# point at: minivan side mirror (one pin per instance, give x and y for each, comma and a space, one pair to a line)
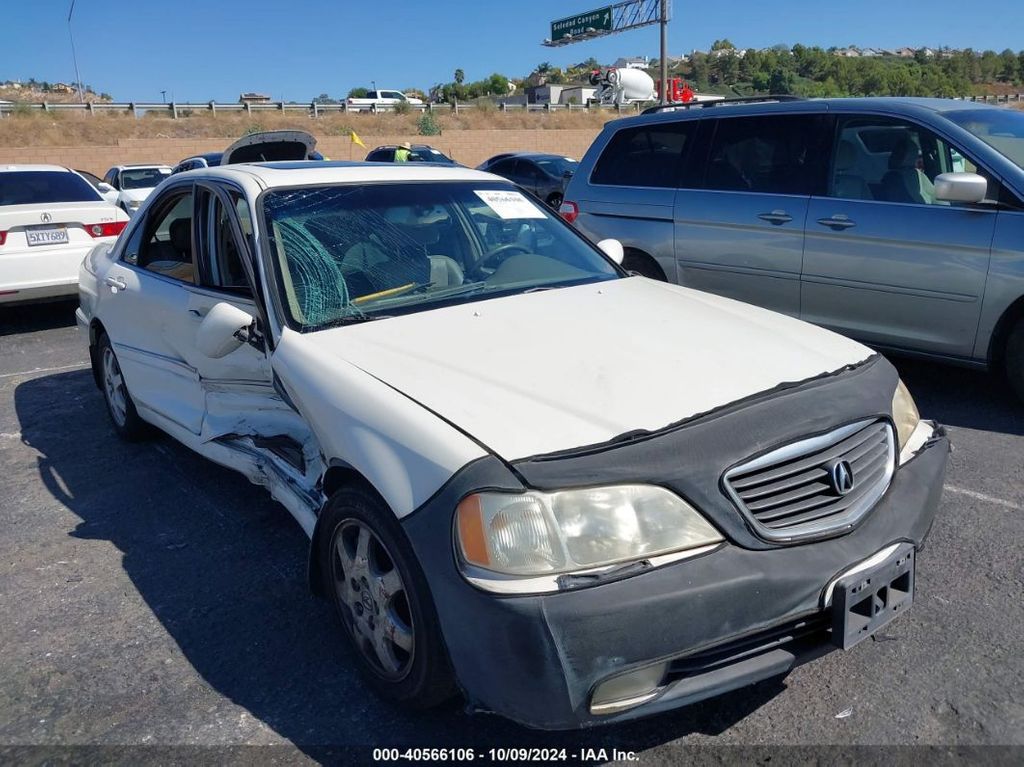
613, 249
960, 187
104, 187
224, 329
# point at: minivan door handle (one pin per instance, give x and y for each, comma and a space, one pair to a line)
776, 217
837, 222
117, 283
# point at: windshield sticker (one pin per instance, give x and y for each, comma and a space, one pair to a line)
510, 205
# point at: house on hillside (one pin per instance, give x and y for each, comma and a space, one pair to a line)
253, 98
62, 88
852, 52
905, 53
632, 62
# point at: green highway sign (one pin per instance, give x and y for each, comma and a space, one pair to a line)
574, 26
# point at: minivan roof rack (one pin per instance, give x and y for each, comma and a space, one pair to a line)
720, 102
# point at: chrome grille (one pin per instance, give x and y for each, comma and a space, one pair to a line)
791, 493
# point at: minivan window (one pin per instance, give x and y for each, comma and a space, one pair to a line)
770, 155
647, 155
889, 160
1001, 129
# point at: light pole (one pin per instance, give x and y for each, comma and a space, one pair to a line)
374, 84
163, 96
74, 57
664, 51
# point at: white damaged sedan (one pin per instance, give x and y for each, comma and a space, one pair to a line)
571, 494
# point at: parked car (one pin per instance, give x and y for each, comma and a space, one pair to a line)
107, 192
381, 98
575, 495
50, 217
418, 153
258, 147
133, 183
899, 222
208, 160
544, 175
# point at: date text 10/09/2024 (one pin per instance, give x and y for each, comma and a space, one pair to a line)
502, 755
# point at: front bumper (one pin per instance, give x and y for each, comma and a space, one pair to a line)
724, 620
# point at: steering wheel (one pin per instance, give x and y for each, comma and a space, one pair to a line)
499, 254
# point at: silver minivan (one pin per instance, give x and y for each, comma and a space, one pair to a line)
897, 221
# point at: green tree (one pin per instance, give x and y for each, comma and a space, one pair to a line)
1010, 66
781, 82
358, 93
723, 45
460, 76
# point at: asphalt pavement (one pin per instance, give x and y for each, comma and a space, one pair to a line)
148, 596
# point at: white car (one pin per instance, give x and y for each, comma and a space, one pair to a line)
133, 183
575, 495
50, 218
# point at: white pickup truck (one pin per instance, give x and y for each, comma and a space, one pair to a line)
381, 99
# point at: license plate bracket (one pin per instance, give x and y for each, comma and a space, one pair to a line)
864, 602
46, 235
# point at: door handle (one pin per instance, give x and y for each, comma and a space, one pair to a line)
117, 283
837, 222
776, 217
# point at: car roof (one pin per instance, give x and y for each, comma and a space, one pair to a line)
314, 172
395, 146
899, 105
33, 168
136, 166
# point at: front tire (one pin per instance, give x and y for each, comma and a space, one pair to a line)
1015, 358
120, 406
372, 576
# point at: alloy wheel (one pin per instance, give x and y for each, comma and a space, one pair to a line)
373, 600
114, 388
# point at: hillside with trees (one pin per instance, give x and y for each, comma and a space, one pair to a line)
816, 72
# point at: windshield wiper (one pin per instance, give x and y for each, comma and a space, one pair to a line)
351, 319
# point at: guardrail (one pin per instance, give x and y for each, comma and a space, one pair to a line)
313, 109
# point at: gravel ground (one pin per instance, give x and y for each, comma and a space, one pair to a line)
151, 597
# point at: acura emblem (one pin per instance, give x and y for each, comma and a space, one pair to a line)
46, 218
840, 476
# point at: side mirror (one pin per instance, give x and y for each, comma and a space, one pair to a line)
104, 187
613, 249
960, 187
223, 329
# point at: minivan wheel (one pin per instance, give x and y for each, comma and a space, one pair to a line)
1015, 358
120, 407
383, 601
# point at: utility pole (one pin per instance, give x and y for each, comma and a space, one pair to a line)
74, 57
664, 51
163, 96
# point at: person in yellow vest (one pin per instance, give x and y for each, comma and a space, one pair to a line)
404, 152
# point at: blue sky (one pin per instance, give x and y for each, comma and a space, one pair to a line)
199, 50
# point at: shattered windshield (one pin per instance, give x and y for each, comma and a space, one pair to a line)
352, 253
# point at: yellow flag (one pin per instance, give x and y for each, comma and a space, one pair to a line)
356, 139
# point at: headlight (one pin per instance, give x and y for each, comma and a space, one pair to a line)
535, 533
904, 414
